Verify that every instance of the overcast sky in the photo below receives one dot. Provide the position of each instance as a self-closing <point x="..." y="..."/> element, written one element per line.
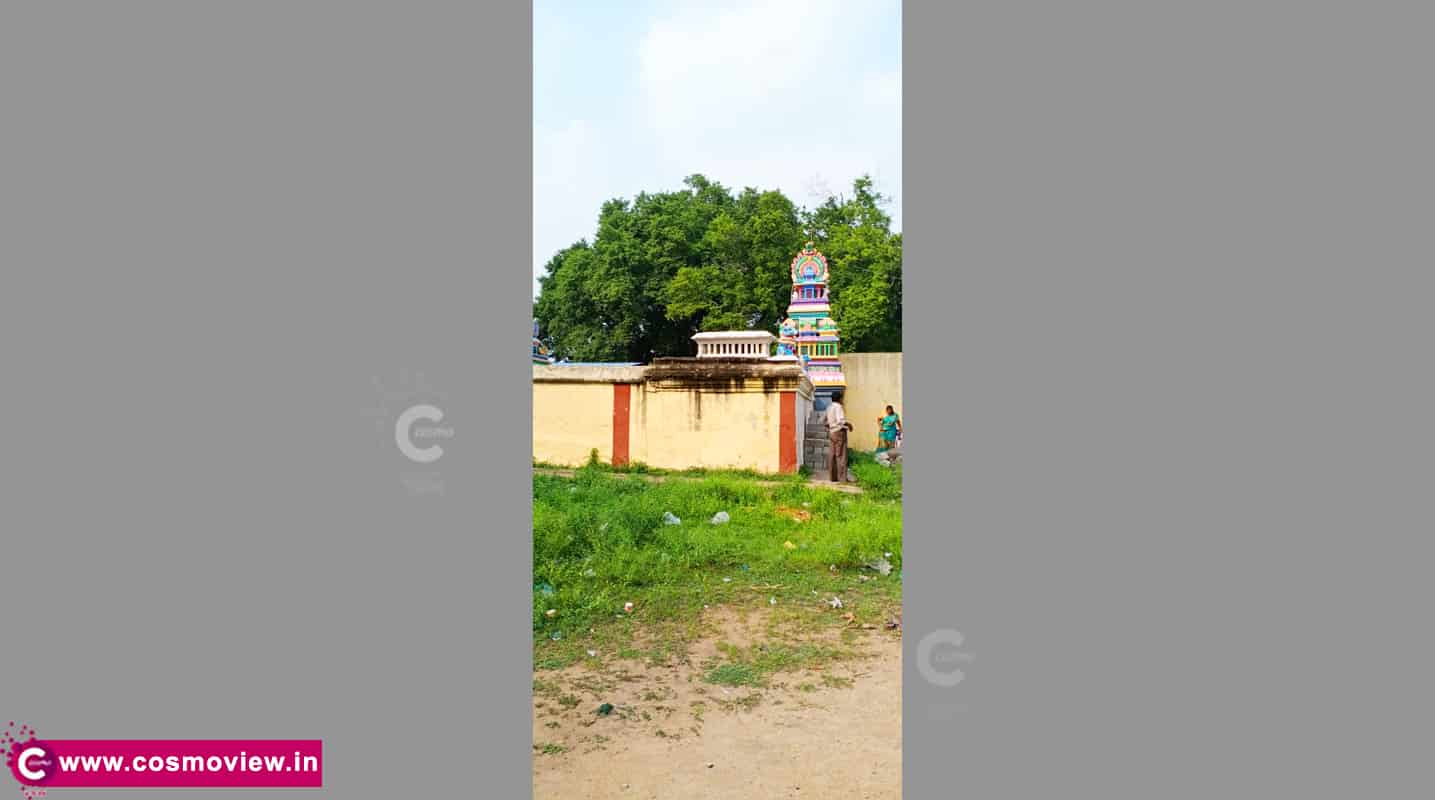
<point x="797" y="95"/>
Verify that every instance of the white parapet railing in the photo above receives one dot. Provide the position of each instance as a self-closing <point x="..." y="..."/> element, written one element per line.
<point x="756" y="345"/>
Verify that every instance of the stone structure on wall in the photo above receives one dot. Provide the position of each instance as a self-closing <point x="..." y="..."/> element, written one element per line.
<point x="809" y="332"/>
<point x="750" y="345"/>
<point x="540" y="350"/>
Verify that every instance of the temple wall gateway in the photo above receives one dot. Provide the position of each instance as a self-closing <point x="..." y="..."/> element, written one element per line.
<point x="677" y="413"/>
<point x="735" y="406"/>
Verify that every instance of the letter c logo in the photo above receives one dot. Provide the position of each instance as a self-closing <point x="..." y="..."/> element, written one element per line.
<point x="22" y="763"/>
<point x="927" y="661"/>
<point x="403" y="435"/>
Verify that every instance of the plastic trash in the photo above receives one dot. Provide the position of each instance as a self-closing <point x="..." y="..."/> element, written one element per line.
<point x="721" y="518"/>
<point x="670" y="519"/>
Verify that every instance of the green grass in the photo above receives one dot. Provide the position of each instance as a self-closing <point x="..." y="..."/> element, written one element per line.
<point x="877" y="481"/>
<point x="599" y="541"/>
<point x="734" y="674"/>
<point x="752" y="666"/>
<point x="885" y="482"/>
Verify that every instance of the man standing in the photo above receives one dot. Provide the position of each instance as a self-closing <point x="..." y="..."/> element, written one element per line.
<point x="837" y="428"/>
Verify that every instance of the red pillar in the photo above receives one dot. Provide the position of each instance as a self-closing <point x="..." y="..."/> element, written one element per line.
<point x="787" y="433"/>
<point x="622" y="403"/>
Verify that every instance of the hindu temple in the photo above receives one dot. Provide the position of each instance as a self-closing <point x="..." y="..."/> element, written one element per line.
<point x="810" y="332"/>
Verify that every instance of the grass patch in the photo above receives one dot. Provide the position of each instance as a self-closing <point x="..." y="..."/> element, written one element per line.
<point x="734" y="675"/>
<point x="551" y="749"/>
<point x="752" y="666"/>
<point x="881" y="483"/>
<point x="600" y="541"/>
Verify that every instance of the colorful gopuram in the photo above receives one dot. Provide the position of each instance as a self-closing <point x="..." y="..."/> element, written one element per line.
<point x="540" y="351"/>
<point x="809" y="332"/>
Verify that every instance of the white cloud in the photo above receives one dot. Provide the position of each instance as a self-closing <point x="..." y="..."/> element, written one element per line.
<point x="700" y="61"/>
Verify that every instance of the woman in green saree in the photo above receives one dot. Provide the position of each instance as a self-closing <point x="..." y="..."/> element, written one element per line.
<point x="889" y="427"/>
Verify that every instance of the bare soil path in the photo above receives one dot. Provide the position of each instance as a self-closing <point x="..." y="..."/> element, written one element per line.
<point x="829" y="729"/>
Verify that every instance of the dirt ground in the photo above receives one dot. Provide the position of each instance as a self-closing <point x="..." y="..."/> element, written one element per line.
<point x="830" y="731"/>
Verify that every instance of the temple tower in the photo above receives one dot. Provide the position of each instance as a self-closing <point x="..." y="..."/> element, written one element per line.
<point x="809" y="332"/>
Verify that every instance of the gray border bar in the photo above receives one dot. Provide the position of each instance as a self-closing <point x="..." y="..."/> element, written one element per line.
<point x="238" y="239"/>
<point x="1169" y="419"/>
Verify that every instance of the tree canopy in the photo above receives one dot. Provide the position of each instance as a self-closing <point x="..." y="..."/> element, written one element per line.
<point x="668" y="265"/>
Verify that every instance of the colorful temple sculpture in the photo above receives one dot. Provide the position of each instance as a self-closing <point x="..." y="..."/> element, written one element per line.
<point x="809" y="332"/>
<point x="540" y="350"/>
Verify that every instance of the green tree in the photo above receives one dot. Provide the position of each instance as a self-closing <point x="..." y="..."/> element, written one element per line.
<point x="865" y="258"/>
<point x="668" y="265"/>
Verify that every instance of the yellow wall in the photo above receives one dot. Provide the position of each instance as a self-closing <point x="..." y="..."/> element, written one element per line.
<point x="874" y="381"/>
<point x="570" y="419"/>
<point x="675" y="422"/>
<point x="690" y="428"/>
